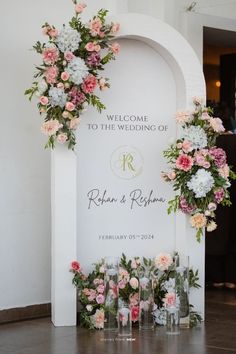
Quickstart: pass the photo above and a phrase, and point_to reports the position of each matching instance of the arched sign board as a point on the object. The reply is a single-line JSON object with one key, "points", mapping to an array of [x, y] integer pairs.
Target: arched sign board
{"points": [[117, 201]]}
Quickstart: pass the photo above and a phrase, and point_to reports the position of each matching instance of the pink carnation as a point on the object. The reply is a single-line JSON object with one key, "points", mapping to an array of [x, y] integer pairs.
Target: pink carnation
{"points": [[184, 162], [51, 127], [100, 289], [75, 266], [51, 74], [69, 56], [100, 299], [50, 55], [89, 84]]}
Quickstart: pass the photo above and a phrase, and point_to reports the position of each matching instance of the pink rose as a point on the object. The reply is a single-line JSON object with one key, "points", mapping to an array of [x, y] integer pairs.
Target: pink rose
{"points": [[89, 47], [186, 146], [75, 266], [134, 283], [89, 84], [79, 8], [134, 313], [51, 74], [69, 56], [61, 138], [100, 299], [43, 100], [184, 162], [163, 261], [170, 300], [65, 75], [115, 47], [115, 28], [122, 284], [74, 123], [51, 127], [100, 289], [171, 175], [95, 26], [50, 55], [70, 106]]}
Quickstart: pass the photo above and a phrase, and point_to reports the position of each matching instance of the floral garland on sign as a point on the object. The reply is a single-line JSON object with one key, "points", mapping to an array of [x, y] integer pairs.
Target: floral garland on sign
{"points": [[199, 170], [91, 289], [69, 74]]}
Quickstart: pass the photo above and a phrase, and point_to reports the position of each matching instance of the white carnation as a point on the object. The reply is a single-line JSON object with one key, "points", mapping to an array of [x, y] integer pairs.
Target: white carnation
{"points": [[201, 183], [68, 40], [78, 70], [196, 136], [57, 97]]}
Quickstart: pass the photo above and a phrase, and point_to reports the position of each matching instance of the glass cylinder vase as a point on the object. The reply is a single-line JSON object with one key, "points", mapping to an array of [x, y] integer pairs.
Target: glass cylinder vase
{"points": [[172, 320], [124, 320], [182, 289], [146, 300], [111, 293]]}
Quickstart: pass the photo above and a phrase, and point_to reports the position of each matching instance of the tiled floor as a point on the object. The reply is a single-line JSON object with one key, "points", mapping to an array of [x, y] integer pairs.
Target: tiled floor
{"points": [[216, 336]]}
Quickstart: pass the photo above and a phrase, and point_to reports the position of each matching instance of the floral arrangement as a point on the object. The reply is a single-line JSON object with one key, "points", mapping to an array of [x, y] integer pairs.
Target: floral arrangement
{"points": [[198, 169], [69, 75], [91, 289]]}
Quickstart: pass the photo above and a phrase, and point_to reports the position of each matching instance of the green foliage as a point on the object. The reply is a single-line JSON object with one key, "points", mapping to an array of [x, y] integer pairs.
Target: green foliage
{"points": [[95, 101]]}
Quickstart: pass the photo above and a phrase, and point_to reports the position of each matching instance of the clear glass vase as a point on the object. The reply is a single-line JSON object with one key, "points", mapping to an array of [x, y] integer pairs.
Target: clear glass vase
{"points": [[146, 300], [124, 320], [172, 320], [182, 289], [111, 293]]}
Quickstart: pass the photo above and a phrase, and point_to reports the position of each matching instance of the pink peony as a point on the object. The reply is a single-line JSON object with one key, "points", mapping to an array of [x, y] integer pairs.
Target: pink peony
{"points": [[163, 261], [184, 206], [50, 55], [100, 299], [170, 300], [95, 26], [134, 313], [69, 56], [89, 84], [65, 75], [216, 124], [184, 162], [115, 47], [98, 319], [115, 28], [100, 289], [182, 117], [74, 123], [61, 138], [219, 195], [134, 283], [43, 100], [219, 156], [79, 8], [51, 74], [70, 106], [51, 127], [75, 266]]}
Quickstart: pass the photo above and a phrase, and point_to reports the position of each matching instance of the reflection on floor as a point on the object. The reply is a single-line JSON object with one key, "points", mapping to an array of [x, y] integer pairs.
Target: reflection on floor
{"points": [[216, 336]]}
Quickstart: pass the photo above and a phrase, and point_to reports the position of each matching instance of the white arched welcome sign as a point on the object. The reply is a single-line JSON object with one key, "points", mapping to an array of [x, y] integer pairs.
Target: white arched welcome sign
{"points": [[156, 74]]}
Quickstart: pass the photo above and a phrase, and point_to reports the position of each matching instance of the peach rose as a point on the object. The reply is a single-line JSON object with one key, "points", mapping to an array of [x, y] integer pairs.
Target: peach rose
{"points": [[115, 28], [97, 48], [74, 123], [134, 283], [224, 171], [51, 127], [198, 220]]}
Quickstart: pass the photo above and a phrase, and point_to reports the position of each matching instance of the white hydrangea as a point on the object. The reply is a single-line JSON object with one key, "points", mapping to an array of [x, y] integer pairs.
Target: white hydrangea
{"points": [[197, 136], [57, 97], [68, 40], [160, 316], [78, 70], [201, 183], [42, 86]]}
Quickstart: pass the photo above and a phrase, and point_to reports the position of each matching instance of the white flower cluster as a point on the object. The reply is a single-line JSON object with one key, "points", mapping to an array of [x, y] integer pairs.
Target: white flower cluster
{"points": [[68, 40], [78, 70], [196, 136], [201, 183], [42, 87], [57, 97], [160, 316]]}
